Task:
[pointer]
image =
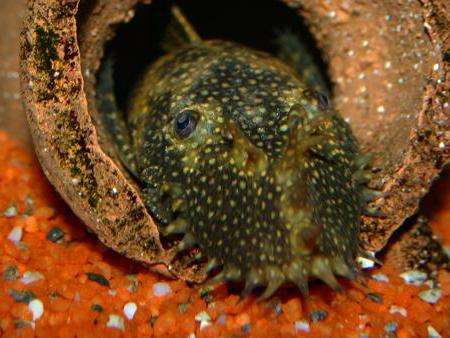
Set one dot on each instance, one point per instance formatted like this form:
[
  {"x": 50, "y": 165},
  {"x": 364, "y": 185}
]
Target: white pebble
[
  {"x": 15, "y": 235},
  {"x": 436, "y": 67},
  {"x": 380, "y": 109},
  {"x": 11, "y": 211},
  {"x": 204, "y": 323},
  {"x": 202, "y": 316},
  {"x": 302, "y": 326},
  {"x": 432, "y": 333},
  {"x": 429, "y": 283},
  {"x": 129, "y": 310},
  {"x": 380, "y": 277},
  {"x": 397, "y": 309},
  {"x": 37, "y": 308},
  {"x": 431, "y": 296},
  {"x": 365, "y": 263},
  {"x": 161, "y": 289},
  {"x": 387, "y": 64},
  {"x": 415, "y": 277},
  {"x": 116, "y": 322},
  {"x": 31, "y": 277},
  {"x": 204, "y": 319}
]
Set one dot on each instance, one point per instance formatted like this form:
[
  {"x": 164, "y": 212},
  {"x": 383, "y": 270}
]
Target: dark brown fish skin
[{"x": 266, "y": 185}]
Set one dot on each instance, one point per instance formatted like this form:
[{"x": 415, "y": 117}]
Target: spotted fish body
[{"x": 265, "y": 179}]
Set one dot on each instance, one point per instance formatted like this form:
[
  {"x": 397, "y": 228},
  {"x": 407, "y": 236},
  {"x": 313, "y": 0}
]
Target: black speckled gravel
[
  {"x": 132, "y": 287},
  {"x": 96, "y": 307},
  {"x": 152, "y": 320},
  {"x": 11, "y": 273},
  {"x": 206, "y": 294},
  {"x": 55, "y": 234},
  {"x": 95, "y": 277},
  {"x": 375, "y": 297},
  {"x": 245, "y": 329},
  {"x": 22, "y": 296},
  {"x": 318, "y": 315},
  {"x": 53, "y": 295},
  {"x": 183, "y": 307}
]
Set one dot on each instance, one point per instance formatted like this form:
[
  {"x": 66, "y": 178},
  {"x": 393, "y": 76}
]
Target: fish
[{"x": 239, "y": 156}]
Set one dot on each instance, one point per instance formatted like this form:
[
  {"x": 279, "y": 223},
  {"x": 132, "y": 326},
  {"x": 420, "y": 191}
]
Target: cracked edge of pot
[{"x": 67, "y": 144}]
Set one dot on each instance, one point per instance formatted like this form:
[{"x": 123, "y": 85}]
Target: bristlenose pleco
[{"x": 236, "y": 152}]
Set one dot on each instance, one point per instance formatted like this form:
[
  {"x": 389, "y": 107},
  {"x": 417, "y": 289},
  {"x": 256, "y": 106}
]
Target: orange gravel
[{"x": 58, "y": 280}]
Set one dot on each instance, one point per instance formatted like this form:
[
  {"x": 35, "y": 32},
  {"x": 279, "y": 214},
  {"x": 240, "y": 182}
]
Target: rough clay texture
[
  {"x": 389, "y": 63},
  {"x": 383, "y": 57}
]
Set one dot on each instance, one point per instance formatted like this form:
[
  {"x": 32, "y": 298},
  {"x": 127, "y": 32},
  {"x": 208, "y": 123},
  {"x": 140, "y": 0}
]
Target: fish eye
[{"x": 185, "y": 123}]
